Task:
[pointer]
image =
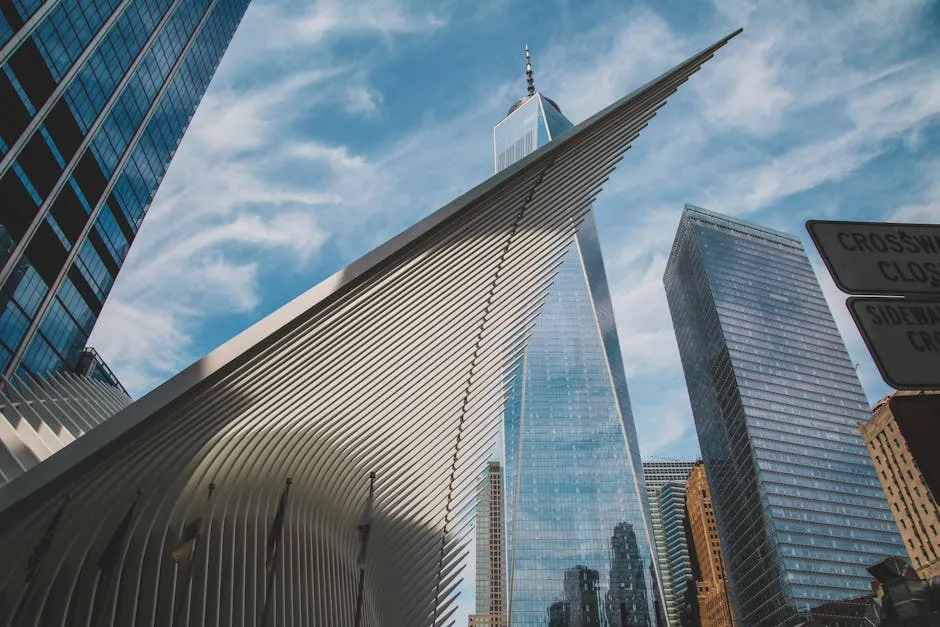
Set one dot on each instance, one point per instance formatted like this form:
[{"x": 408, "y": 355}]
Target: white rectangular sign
[
  {"x": 903, "y": 336},
  {"x": 880, "y": 257}
]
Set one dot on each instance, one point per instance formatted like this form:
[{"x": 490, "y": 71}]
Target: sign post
[
  {"x": 901, "y": 263},
  {"x": 903, "y": 337},
  {"x": 879, "y": 257}
]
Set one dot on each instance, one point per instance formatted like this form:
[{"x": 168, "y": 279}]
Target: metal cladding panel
[
  {"x": 39, "y": 417},
  {"x": 394, "y": 365}
]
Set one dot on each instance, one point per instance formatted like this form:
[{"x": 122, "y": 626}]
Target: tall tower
[
  {"x": 573, "y": 474},
  {"x": 665, "y": 489},
  {"x": 626, "y": 598},
  {"x": 177, "y": 510},
  {"x": 776, "y": 401},
  {"x": 711, "y": 581},
  {"x": 490, "y": 552},
  {"x": 95, "y": 97}
]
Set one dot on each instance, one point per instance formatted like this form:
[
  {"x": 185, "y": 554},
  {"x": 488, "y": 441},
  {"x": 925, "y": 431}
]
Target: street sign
[
  {"x": 880, "y": 257},
  {"x": 903, "y": 337}
]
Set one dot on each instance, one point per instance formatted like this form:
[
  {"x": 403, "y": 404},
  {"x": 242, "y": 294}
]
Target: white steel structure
[
  {"x": 39, "y": 417},
  {"x": 396, "y": 364}
]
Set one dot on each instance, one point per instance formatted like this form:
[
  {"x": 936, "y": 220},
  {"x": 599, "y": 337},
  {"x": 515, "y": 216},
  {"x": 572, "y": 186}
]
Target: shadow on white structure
[{"x": 396, "y": 365}]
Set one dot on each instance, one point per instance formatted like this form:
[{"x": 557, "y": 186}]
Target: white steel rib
[
  {"x": 40, "y": 416},
  {"x": 397, "y": 364}
]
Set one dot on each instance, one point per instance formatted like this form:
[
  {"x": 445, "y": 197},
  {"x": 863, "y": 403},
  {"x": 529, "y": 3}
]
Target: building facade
[
  {"x": 238, "y": 492},
  {"x": 665, "y": 489},
  {"x": 901, "y": 437},
  {"x": 678, "y": 561},
  {"x": 714, "y": 604},
  {"x": 490, "y": 552},
  {"x": 568, "y": 409},
  {"x": 95, "y": 96},
  {"x": 775, "y": 400},
  {"x": 627, "y": 596},
  {"x": 39, "y": 417}
]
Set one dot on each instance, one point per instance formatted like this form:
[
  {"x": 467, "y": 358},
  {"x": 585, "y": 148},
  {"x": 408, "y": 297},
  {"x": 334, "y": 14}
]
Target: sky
[{"x": 329, "y": 127}]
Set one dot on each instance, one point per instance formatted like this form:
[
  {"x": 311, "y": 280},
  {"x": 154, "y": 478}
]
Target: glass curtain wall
[
  {"x": 95, "y": 96},
  {"x": 579, "y": 539},
  {"x": 776, "y": 403}
]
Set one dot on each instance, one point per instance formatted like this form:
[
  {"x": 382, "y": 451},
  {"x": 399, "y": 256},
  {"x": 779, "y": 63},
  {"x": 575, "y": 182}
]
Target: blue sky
[{"x": 330, "y": 127}]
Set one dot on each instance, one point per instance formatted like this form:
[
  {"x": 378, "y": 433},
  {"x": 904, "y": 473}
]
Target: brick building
[
  {"x": 901, "y": 437},
  {"x": 711, "y": 578}
]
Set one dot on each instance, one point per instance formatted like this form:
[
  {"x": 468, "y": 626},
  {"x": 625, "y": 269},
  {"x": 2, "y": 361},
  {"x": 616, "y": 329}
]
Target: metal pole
[
  {"x": 364, "y": 528},
  {"x": 362, "y": 581}
]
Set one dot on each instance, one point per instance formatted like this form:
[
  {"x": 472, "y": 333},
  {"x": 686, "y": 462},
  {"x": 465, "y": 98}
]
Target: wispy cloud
[
  {"x": 664, "y": 423},
  {"x": 244, "y": 196},
  {"x": 320, "y": 137},
  {"x": 802, "y": 101},
  {"x": 926, "y": 205}
]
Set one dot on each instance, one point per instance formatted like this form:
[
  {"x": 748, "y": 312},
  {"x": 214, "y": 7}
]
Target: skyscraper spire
[{"x": 530, "y": 82}]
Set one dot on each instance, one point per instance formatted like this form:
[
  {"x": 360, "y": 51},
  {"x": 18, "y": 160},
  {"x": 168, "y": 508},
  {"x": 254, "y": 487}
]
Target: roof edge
[{"x": 263, "y": 333}]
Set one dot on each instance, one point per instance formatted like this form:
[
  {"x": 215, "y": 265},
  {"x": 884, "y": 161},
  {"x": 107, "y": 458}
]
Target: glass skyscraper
[
  {"x": 776, "y": 403},
  {"x": 578, "y": 550},
  {"x": 95, "y": 96},
  {"x": 665, "y": 488}
]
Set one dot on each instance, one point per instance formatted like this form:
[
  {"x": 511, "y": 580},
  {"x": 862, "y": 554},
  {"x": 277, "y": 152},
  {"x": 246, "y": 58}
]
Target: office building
[
  {"x": 490, "y": 552},
  {"x": 95, "y": 97},
  {"x": 667, "y": 513},
  {"x": 775, "y": 400},
  {"x": 559, "y": 614},
  {"x": 581, "y": 597},
  {"x": 848, "y": 613},
  {"x": 238, "y": 491},
  {"x": 902, "y": 437},
  {"x": 571, "y": 454},
  {"x": 626, "y": 601},
  {"x": 676, "y": 548},
  {"x": 714, "y": 605},
  {"x": 93, "y": 366}
]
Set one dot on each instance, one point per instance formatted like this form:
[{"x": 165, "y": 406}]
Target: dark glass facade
[
  {"x": 578, "y": 528},
  {"x": 776, "y": 403},
  {"x": 95, "y": 96},
  {"x": 665, "y": 489}
]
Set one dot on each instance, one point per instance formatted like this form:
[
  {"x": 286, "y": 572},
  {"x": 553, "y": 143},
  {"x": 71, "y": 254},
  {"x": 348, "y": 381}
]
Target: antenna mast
[{"x": 530, "y": 82}]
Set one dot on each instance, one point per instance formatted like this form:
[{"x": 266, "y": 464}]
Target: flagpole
[
  {"x": 37, "y": 557},
  {"x": 108, "y": 562},
  {"x": 272, "y": 550},
  {"x": 364, "y": 527},
  {"x": 187, "y": 576}
]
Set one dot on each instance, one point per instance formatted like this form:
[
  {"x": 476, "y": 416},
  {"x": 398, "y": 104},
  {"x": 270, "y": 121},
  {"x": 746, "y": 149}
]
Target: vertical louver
[{"x": 395, "y": 365}]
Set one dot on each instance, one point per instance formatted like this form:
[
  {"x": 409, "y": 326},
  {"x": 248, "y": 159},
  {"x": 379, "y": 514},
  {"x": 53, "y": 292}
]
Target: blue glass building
[
  {"x": 578, "y": 528},
  {"x": 776, "y": 403},
  {"x": 95, "y": 96},
  {"x": 665, "y": 481}
]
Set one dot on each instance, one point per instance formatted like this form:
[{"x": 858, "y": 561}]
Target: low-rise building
[{"x": 902, "y": 436}]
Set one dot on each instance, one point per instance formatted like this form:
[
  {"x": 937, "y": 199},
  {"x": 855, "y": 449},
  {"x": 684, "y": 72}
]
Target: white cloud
[
  {"x": 242, "y": 187},
  {"x": 926, "y": 207},
  {"x": 596, "y": 68},
  {"x": 747, "y": 93},
  {"x": 804, "y": 97},
  {"x": 664, "y": 423},
  {"x": 636, "y": 274},
  {"x": 142, "y": 344},
  {"x": 233, "y": 120},
  {"x": 361, "y": 99},
  {"x": 331, "y": 17}
]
